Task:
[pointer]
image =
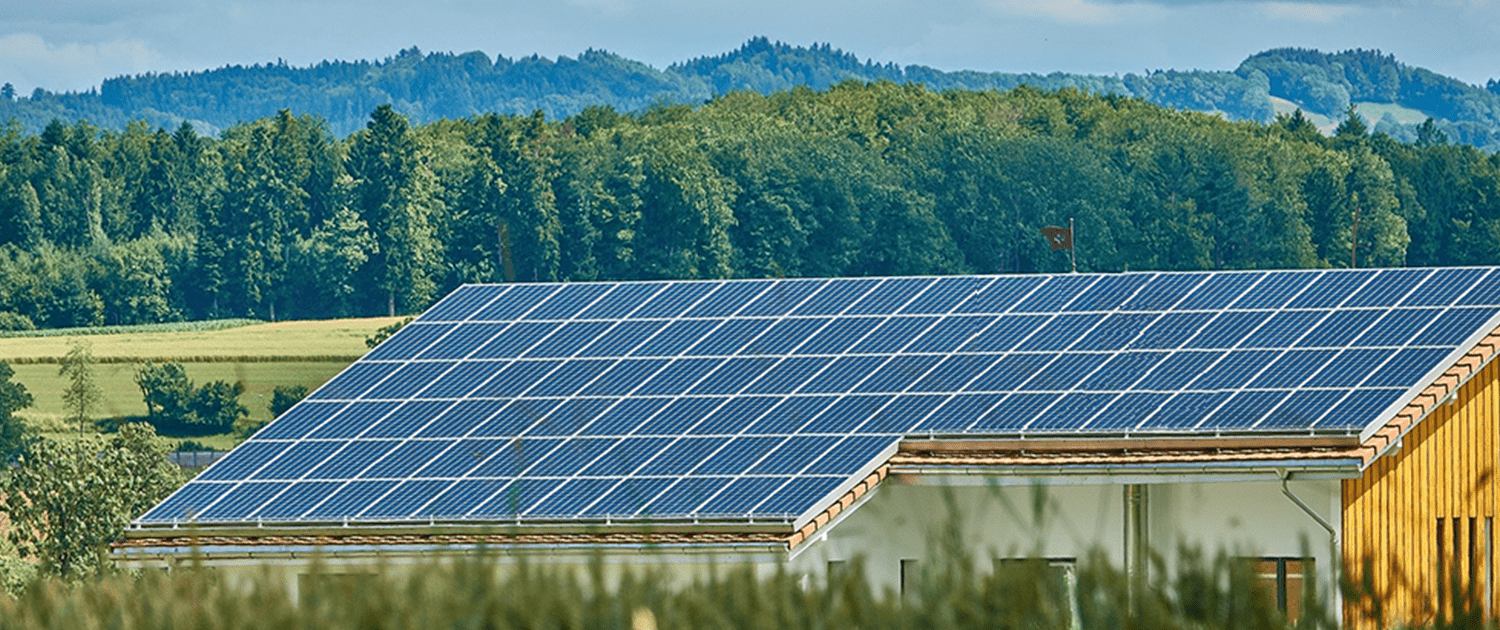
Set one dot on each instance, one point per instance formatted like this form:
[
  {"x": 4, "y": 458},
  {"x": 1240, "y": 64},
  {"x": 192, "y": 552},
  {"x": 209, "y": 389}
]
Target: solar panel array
[{"x": 761, "y": 399}]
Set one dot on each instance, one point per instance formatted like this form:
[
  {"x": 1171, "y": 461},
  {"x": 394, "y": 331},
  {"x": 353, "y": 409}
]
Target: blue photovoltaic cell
[
  {"x": 407, "y": 419},
  {"x": 573, "y": 496},
  {"x": 890, "y": 296},
  {"x": 296, "y": 499},
  {"x": 893, "y": 335},
  {"x": 683, "y": 496},
  {"x": 462, "y": 457},
  {"x": 1354, "y": 410},
  {"x": 853, "y": 453},
  {"x": 515, "y": 458},
  {"x": 951, "y": 333},
  {"x": 794, "y": 454},
  {"x": 515, "y": 418},
  {"x": 619, "y": 302},
  {"x": 1302, "y": 408},
  {"x": 1184, "y": 411},
  {"x": 1009, "y": 372},
  {"x": 1110, "y": 292},
  {"x": 678, "y": 377},
  {"x": 674, "y": 300},
  {"x": 845, "y": 414},
  {"x": 629, "y": 497},
  {"x": 570, "y": 377},
  {"x": 729, "y": 337},
  {"x": 408, "y": 342},
  {"x": 1283, "y": 329},
  {"x": 736, "y": 415},
  {"x": 731, "y": 501},
  {"x": 462, "y": 303},
  {"x": 1235, "y": 369},
  {"x": 944, "y": 295},
  {"x": 571, "y": 456},
  {"x": 297, "y": 461},
  {"x": 355, "y": 458},
  {"x": 243, "y": 461},
  {"x": 242, "y": 501},
  {"x": 1388, "y": 289},
  {"x": 1455, "y": 326},
  {"x": 839, "y": 335},
  {"x": 1444, "y": 286},
  {"x": 410, "y": 379},
  {"x": 790, "y": 415},
  {"x": 729, "y": 299},
  {"x": 739, "y": 455},
  {"x": 1397, "y": 327},
  {"x": 626, "y": 415},
  {"x": 1004, "y": 333},
  {"x": 1063, "y": 374},
  {"x": 733, "y": 375},
  {"x": 1127, "y": 411},
  {"x": 843, "y": 374},
  {"x": 300, "y": 420},
  {"x": 785, "y": 336},
  {"x": 781, "y": 298},
  {"x": 1340, "y": 329},
  {"x": 836, "y": 296},
  {"x": 354, "y": 381},
  {"x": 958, "y": 413},
  {"x": 515, "y": 379},
  {"x": 462, "y": 418},
  {"x": 954, "y": 372},
  {"x": 1293, "y": 368},
  {"x": 679, "y": 416},
  {"x": 1348, "y": 368},
  {"x": 1164, "y": 291},
  {"x": 1060, "y": 333},
  {"x": 461, "y": 342},
  {"x": 1275, "y": 290},
  {"x": 682, "y": 456},
  {"x": 626, "y": 456},
  {"x": 405, "y": 499},
  {"x": 354, "y": 420},
  {"x": 1116, "y": 331},
  {"x": 1406, "y": 367},
  {"x": 799, "y": 495},
  {"x": 624, "y": 377},
  {"x": 349, "y": 500},
  {"x": 187, "y": 503},
  {"x": 1055, "y": 294},
  {"x": 515, "y": 303},
  {"x": 1170, "y": 331},
  {"x": 1122, "y": 370},
  {"x": 517, "y": 498},
  {"x": 569, "y": 301},
  {"x": 1071, "y": 412},
  {"x": 1245, "y": 409},
  {"x": 1228, "y": 329},
  {"x": 1177, "y": 370},
  {"x": 899, "y": 373},
  {"x": 677, "y": 337},
  {"x": 1332, "y": 289},
  {"x": 1012, "y": 413},
  {"x": 1001, "y": 295},
  {"x": 1218, "y": 291},
  {"x": 569, "y": 417},
  {"x": 461, "y": 498},
  {"x": 515, "y": 340},
  {"x": 624, "y": 337},
  {"x": 568, "y": 340},
  {"x": 1486, "y": 292}
]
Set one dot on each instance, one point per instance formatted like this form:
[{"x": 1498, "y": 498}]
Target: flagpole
[{"x": 1073, "y": 251}]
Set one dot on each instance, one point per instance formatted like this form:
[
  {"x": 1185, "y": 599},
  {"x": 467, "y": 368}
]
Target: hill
[{"x": 432, "y": 86}]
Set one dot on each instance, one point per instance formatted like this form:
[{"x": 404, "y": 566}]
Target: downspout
[{"x": 1336, "y": 555}]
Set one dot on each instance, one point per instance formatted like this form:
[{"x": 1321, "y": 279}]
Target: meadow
[{"x": 262, "y": 356}]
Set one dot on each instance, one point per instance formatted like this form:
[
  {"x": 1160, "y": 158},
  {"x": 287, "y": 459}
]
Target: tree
[
  {"x": 13, "y": 398},
  {"x": 216, "y": 406},
  {"x": 166, "y": 390},
  {"x": 284, "y": 397},
  {"x": 68, "y": 500},
  {"x": 81, "y": 393}
]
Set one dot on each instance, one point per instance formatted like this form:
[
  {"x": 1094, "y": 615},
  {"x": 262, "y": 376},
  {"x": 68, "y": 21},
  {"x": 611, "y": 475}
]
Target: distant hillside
[{"x": 430, "y": 86}]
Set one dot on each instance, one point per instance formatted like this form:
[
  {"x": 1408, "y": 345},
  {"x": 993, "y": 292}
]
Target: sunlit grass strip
[
  {"x": 210, "y": 324},
  {"x": 270, "y": 358}
]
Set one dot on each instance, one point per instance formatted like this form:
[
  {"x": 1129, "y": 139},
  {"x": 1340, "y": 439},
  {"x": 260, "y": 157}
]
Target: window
[
  {"x": 1061, "y": 575},
  {"x": 1285, "y": 579}
]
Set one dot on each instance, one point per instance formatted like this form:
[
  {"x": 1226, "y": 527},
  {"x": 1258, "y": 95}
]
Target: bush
[
  {"x": 385, "y": 332},
  {"x": 284, "y": 397},
  {"x": 176, "y": 407},
  {"x": 15, "y": 321}
]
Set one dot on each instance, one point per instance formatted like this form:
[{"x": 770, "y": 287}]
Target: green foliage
[
  {"x": 174, "y": 404},
  {"x": 82, "y": 392},
  {"x": 283, "y": 397},
  {"x": 166, "y": 390},
  {"x": 13, "y": 434},
  {"x": 216, "y": 406},
  {"x": 198, "y": 326},
  {"x": 67, "y": 500}
]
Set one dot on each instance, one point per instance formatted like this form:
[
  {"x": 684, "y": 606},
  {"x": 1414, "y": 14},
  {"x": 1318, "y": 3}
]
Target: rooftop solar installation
[{"x": 763, "y": 400}]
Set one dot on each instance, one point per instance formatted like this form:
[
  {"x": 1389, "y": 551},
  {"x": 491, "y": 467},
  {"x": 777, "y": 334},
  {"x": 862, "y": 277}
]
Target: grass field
[{"x": 262, "y": 356}]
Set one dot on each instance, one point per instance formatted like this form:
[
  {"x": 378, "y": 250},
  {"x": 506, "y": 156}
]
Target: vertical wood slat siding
[{"x": 1444, "y": 470}]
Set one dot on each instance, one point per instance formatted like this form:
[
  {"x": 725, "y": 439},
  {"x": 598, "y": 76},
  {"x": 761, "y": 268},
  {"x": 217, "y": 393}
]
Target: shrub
[
  {"x": 284, "y": 397},
  {"x": 15, "y": 321}
]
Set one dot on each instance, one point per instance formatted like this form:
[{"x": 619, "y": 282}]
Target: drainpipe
[
  {"x": 1336, "y": 554},
  {"x": 1136, "y": 536}
]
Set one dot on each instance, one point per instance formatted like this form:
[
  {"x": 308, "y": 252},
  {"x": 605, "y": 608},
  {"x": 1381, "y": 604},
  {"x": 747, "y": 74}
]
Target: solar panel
[{"x": 758, "y": 399}]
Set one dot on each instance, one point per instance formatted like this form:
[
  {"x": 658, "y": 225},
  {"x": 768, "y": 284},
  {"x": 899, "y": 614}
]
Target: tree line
[{"x": 279, "y": 219}]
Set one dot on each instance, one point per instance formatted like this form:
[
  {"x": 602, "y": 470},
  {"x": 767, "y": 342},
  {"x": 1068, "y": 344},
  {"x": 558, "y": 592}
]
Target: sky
[{"x": 72, "y": 45}]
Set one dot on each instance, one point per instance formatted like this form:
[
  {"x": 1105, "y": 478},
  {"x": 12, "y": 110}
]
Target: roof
[{"x": 768, "y": 401}]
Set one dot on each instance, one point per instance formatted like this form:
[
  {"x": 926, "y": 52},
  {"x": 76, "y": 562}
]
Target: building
[{"x": 1307, "y": 420}]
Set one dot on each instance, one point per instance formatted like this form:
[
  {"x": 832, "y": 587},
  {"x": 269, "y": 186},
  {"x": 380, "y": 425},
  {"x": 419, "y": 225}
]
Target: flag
[{"x": 1059, "y": 237}]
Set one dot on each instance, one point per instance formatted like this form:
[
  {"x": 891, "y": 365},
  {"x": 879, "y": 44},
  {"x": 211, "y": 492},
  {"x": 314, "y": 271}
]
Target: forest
[
  {"x": 430, "y": 86},
  {"x": 279, "y": 218}
]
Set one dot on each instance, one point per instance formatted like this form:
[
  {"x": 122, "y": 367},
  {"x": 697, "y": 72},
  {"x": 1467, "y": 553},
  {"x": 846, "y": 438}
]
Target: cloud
[
  {"x": 1076, "y": 11},
  {"x": 1307, "y": 11},
  {"x": 29, "y": 61}
]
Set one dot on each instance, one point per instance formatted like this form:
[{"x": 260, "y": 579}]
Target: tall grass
[{"x": 198, "y": 326}]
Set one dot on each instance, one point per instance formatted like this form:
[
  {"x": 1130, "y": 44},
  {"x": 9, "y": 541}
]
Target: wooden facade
[{"x": 1426, "y": 510}]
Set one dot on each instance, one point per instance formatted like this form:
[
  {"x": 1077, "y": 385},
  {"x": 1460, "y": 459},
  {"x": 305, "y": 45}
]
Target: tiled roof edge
[
  {"x": 845, "y": 502},
  {"x": 1424, "y": 403}
]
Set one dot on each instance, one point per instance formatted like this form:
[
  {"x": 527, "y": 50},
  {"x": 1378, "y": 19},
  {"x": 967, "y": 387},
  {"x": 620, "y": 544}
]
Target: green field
[{"x": 261, "y": 356}]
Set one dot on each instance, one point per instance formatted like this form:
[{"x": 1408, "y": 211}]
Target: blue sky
[{"x": 74, "y": 44}]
